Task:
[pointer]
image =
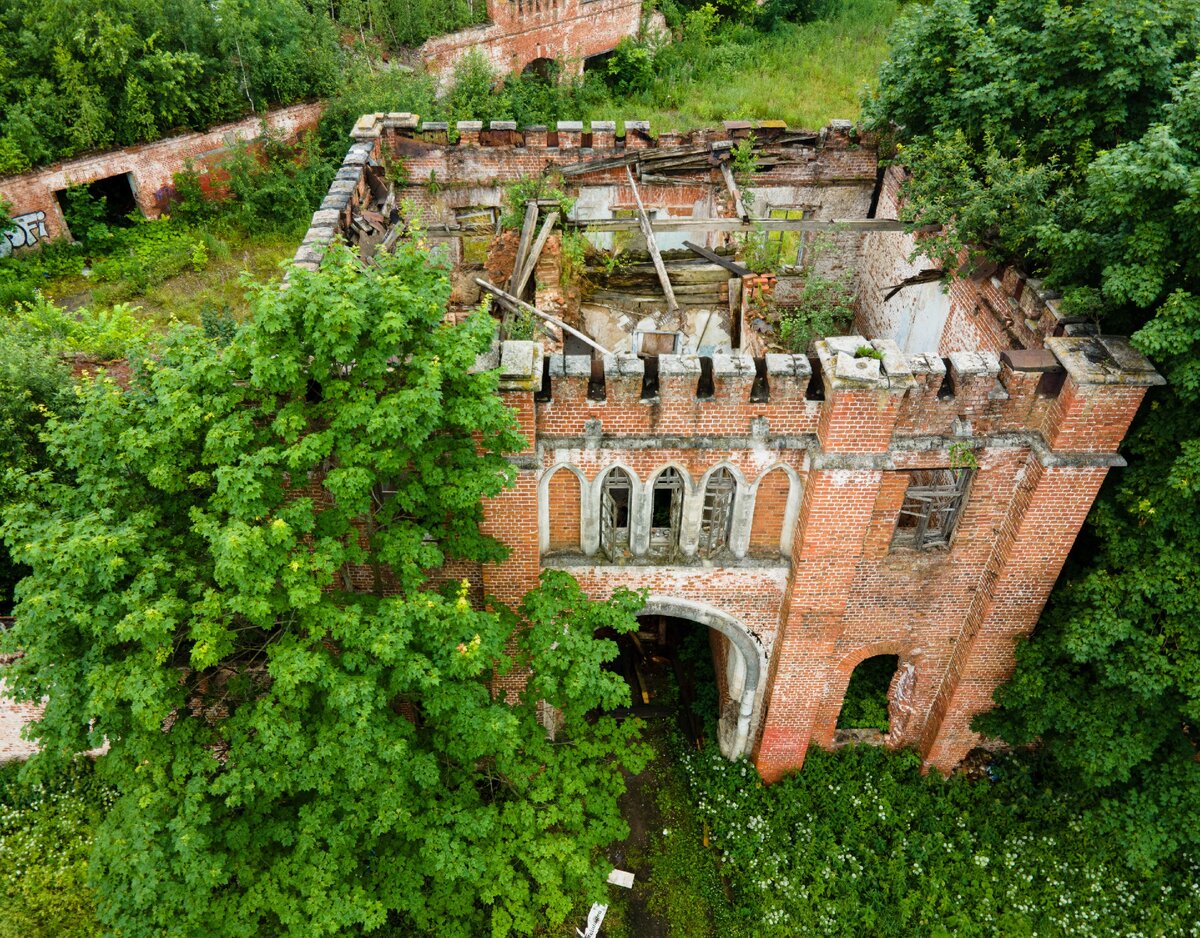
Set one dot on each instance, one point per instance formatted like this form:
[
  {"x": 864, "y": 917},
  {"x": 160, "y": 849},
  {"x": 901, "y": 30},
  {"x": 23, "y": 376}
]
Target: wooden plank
[
  {"x": 531, "y": 214},
  {"x": 731, "y": 185},
  {"x": 534, "y": 253},
  {"x": 651, "y": 244},
  {"x": 736, "y": 269},
  {"x": 736, "y": 224},
  {"x": 513, "y": 303}
]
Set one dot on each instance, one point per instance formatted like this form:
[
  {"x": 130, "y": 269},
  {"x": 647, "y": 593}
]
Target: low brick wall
[{"x": 150, "y": 167}]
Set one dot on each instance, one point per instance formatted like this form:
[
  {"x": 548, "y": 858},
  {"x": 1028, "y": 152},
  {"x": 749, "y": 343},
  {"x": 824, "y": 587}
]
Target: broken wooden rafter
[
  {"x": 534, "y": 254},
  {"x": 513, "y": 303},
  {"x": 925, "y": 276},
  {"x": 734, "y": 268},
  {"x": 651, "y": 244},
  {"x": 736, "y": 224},
  {"x": 732, "y": 186}
]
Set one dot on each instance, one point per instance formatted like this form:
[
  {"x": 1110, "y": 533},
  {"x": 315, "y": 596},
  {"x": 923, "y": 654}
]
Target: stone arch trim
[
  {"x": 640, "y": 537},
  {"x": 743, "y": 509},
  {"x": 544, "y": 504},
  {"x": 737, "y": 741},
  {"x": 593, "y": 493}
]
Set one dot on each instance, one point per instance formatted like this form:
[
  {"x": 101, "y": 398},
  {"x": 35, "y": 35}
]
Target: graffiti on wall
[{"x": 23, "y": 231}]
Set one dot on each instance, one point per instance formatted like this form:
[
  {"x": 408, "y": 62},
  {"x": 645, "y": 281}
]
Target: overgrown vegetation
[
  {"x": 47, "y": 827},
  {"x": 355, "y": 729},
  {"x": 860, "y": 843},
  {"x": 865, "y": 705}
]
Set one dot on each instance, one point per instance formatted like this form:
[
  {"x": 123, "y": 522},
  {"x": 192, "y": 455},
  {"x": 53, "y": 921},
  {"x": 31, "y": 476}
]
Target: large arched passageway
[{"x": 738, "y": 661}]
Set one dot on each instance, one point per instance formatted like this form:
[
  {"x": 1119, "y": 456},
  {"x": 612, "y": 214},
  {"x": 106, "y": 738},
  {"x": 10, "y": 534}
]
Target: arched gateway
[{"x": 747, "y": 664}]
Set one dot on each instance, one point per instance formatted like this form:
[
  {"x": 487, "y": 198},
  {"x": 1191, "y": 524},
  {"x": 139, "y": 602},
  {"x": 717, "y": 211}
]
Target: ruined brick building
[{"x": 910, "y": 489}]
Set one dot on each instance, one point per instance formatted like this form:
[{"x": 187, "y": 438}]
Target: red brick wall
[
  {"x": 564, "y": 507},
  {"x": 524, "y": 30},
  {"x": 151, "y": 165},
  {"x": 770, "y": 505}
]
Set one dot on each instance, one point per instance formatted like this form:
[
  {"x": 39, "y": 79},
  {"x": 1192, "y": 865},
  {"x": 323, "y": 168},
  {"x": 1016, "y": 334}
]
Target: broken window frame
[
  {"x": 614, "y": 539},
  {"x": 476, "y": 236},
  {"x": 779, "y": 239},
  {"x": 716, "y": 520},
  {"x": 665, "y": 540},
  {"x": 932, "y": 506}
]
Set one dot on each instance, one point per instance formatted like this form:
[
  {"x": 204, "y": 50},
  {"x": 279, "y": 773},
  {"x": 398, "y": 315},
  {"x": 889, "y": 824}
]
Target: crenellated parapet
[{"x": 858, "y": 395}]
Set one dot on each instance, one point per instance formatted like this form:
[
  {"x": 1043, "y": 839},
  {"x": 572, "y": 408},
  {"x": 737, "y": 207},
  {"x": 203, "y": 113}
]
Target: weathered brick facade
[
  {"x": 522, "y": 32},
  {"x": 815, "y": 571},
  {"x": 150, "y": 168}
]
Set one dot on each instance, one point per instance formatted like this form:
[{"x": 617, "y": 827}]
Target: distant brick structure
[
  {"x": 524, "y": 32},
  {"x": 149, "y": 169},
  {"x": 917, "y": 501}
]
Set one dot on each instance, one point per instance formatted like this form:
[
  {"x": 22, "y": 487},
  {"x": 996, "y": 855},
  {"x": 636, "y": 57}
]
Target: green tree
[
  {"x": 1111, "y": 682},
  {"x": 305, "y": 738},
  {"x": 1067, "y": 138},
  {"x": 1002, "y": 104},
  {"x": 35, "y": 387}
]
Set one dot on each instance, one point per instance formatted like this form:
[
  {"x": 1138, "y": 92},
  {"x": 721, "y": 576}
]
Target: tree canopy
[
  {"x": 1067, "y": 138},
  {"x": 231, "y": 585}
]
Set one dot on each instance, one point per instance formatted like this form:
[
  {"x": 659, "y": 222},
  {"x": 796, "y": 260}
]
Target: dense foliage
[
  {"x": 46, "y": 832},
  {"x": 1067, "y": 137},
  {"x": 860, "y": 843},
  {"x": 303, "y": 738},
  {"x": 88, "y": 74}
]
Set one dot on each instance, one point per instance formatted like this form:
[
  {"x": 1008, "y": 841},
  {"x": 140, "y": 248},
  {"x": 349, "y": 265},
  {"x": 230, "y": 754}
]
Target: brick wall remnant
[
  {"x": 150, "y": 167},
  {"x": 522, "y": 33}
]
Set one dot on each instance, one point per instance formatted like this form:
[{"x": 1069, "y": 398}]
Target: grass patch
[
  {"x": 218, "y": 285},
  {"x": 802, "y": 74},
  {"x": 677, "y": 876}
]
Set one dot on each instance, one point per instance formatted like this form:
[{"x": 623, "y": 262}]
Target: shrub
[
  {"x": 860, "y": 843},
  {"x": 102, "y": 334},
  {"x": 631, "y": 66},
  {"x": 824, "y": 308},
  {"x": 700, "y": 25},
  {"x": 525, "y": 189},
  {"x": 45, "y": 839}
]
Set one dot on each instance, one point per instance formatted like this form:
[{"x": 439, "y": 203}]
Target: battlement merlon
[{"x": 1078, "y": 395}]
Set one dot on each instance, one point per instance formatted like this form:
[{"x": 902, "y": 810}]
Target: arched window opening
[
  {"x": 717, "y": 517},
  {"x": 864, "y": 716},
  {"x": 545, "y": 70},
  {"x": 666, "y": 512},
  {"x": 614, "y": 514}
]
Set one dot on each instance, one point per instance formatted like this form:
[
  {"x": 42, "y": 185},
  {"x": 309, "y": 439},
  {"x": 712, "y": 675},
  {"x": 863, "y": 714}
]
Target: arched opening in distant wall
[
  {"x": 543, "y": 69},
  {"x": 112, "y": 201}
]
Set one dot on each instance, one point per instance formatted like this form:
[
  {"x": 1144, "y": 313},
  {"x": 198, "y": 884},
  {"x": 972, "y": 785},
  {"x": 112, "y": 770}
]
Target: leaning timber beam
[
  {"x": 732, "y": 186},
  {"x": 734, "y": 268},
  {"x": 513, "y": 303},
  {"x": 651, "y": 244},
  {"x": 527, "y": 229},
  {"x": 534, "y": 254},
  {"x": 735, "y": 224}
]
